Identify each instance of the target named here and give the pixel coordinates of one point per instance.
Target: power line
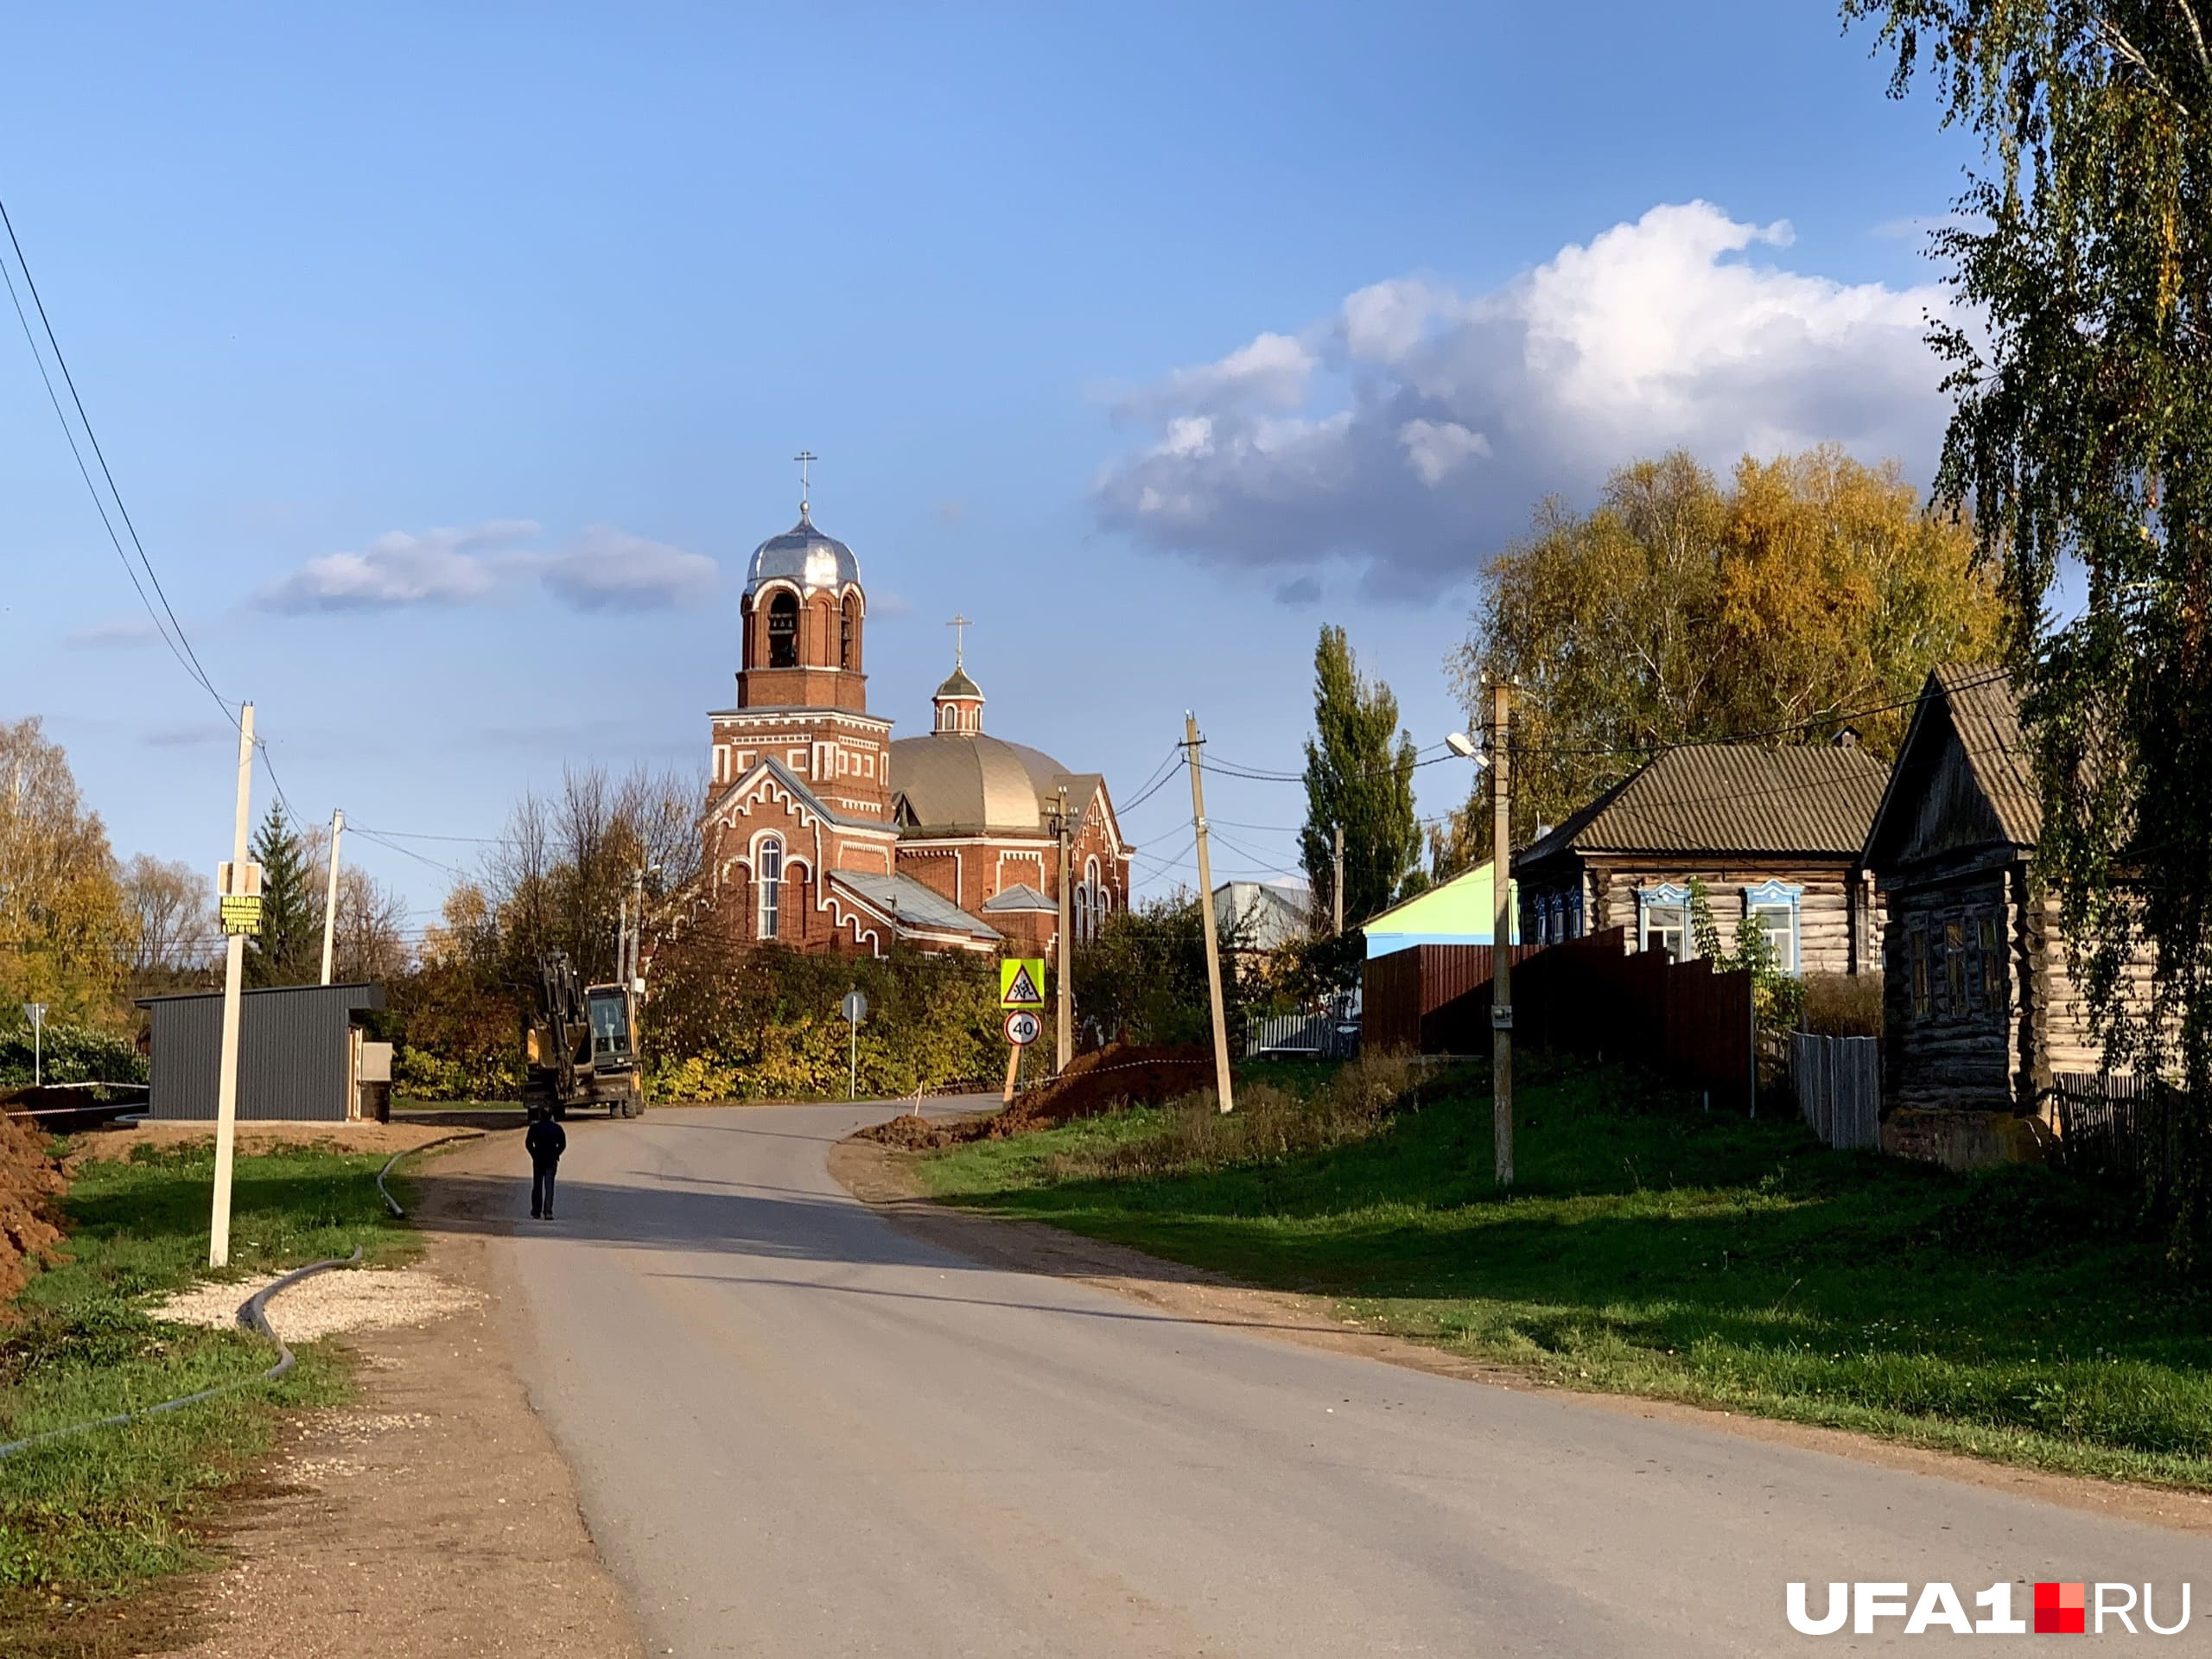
(181, 645)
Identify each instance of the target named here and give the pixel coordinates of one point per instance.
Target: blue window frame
(1775, 909)
(1663, 921)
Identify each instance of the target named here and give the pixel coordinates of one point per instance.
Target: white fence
(1329, 1032)
(1839, 1084)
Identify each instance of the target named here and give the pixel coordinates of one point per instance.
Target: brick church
(824, 833)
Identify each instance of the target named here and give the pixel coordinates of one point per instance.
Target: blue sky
(449, 360)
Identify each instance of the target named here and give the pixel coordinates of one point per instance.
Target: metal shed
(299, 1051)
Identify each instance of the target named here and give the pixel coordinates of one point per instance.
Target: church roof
(911, 906)
(969, 782)
(1019, 896)
(803, 554)
(959, 685)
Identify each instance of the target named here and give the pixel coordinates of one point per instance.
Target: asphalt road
(798, 1432)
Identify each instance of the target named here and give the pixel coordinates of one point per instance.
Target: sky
(449, 361)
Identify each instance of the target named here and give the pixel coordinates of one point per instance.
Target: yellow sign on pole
(1021, 983)
(241, 912)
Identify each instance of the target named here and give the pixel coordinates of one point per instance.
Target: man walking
(545, 1140)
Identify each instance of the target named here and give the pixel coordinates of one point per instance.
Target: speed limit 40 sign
(1023, 1027)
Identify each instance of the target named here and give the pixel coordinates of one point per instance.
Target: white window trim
(1777, 893)
(762, 886)
(1665, 894)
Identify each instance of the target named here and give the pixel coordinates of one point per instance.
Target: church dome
(959, 685)
(965, 782)
(803, 554)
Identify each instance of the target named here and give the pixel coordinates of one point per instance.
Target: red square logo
(2062, 1609)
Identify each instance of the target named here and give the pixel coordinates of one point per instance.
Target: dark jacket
(546, 1140)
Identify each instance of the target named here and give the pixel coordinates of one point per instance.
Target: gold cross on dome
(805, 459)
(959, 625)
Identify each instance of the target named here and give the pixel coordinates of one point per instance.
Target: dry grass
(1270, 1121)
(1843, 1005)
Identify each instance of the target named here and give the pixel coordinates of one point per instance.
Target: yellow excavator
(581, 1048)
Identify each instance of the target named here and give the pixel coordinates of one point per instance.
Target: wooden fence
(2118, 1128)
(1591, 995)
(1839, 1084)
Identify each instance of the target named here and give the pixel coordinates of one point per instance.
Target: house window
(1954, 968)
(783, 631)
(1574, 914)
(1663, 921)
(768, 865)
(1772, 907)
(1992, 964)
(1921, 1003)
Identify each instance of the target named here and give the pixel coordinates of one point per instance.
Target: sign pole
(35, 1013)
(226, 1078)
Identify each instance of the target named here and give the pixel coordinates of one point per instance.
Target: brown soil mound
(1116, 1075)
(29, 1184)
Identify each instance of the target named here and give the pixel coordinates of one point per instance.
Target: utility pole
(1501, 939)
(240, 880)
(1063, 968)
(330, 899)
(1337, 889)
(622, 941)
(637, 925)
(1221, 1086)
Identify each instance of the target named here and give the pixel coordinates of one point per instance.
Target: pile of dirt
(30, 1182)
(1116, 1075)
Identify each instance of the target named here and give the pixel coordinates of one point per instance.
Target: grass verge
(91, 1516)
(1649, 1247)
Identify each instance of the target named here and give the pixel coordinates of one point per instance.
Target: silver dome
(803, 554)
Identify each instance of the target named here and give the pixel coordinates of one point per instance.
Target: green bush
(69, 1053)
(766, 1023)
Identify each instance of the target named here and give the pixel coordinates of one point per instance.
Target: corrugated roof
(1985, 715)
(913, 903)
(1727, 798)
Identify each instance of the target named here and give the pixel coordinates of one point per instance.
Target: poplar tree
(1359, 776)
(2080, 359)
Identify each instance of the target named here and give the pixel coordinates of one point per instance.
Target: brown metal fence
(1591, 995)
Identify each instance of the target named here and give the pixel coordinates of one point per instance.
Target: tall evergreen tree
(1359, 775)
(287, 950)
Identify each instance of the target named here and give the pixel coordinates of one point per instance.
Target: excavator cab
(607, 1009)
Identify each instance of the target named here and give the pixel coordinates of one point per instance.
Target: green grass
(97, 1513)
(1649, 1247)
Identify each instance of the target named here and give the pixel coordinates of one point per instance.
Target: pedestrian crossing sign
(1021, 983)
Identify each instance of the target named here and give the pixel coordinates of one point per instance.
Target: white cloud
(400, 568)
(128, 633)
(1453, 414)
(609, 569)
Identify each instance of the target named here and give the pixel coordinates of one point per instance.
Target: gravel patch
(360, 1299)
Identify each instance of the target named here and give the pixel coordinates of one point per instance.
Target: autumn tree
(174, 909)
(1806, 592)
(66, 930)
(1359, 777)
(2082, 361)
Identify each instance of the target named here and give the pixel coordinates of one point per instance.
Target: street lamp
(1467, 748)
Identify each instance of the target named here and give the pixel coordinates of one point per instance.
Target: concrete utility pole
(330, 899)
(239, 883)
(636, 926)
(622, 941)
(1064, 951)
(1501, 939)
(1337, 889)
(1221, 1086)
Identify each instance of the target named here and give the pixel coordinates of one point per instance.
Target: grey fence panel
(1839, 1084)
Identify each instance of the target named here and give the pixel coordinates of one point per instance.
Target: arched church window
(768, 873)
(848, 633)
(783, 631)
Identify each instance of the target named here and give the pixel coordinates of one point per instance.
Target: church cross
(805, 459)
(959, 625)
